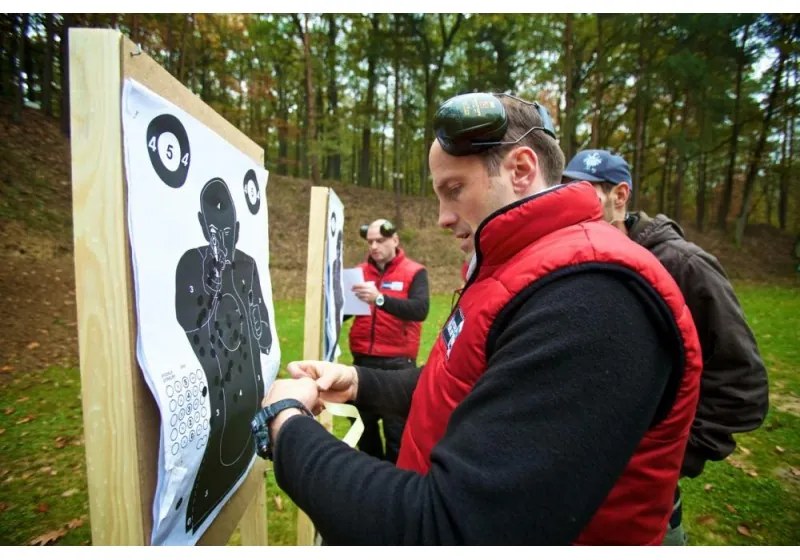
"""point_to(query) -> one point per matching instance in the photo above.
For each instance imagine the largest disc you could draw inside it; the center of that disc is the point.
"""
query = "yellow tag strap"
(347, 411)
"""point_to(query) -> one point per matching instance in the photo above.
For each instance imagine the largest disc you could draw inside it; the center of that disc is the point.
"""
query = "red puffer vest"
(381, 333)
(519, 245)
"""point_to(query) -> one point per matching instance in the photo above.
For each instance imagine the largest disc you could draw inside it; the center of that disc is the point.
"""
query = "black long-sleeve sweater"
(415, 306)
(528, 456)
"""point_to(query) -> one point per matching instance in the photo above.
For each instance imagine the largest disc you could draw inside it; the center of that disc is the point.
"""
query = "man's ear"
(523, 165)
(622, 193)
(203, 227)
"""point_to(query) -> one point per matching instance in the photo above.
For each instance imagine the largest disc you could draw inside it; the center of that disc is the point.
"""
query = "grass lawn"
(751, 498)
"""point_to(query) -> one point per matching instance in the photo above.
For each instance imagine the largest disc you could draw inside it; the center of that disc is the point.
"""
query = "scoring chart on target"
(189, 415)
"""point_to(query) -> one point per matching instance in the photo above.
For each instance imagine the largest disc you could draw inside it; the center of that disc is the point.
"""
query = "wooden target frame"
(120, 416)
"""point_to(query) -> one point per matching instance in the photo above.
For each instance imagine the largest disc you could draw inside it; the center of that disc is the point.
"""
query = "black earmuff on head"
(387, 229)
(472, 123)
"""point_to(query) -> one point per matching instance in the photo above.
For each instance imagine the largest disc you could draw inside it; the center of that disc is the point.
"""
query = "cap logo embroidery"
(591, 161)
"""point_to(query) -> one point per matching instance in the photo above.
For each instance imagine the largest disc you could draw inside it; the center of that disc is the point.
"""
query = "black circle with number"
(252, 194)
(159, 126)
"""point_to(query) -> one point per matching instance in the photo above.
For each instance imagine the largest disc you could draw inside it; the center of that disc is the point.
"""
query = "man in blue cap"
(734, 391)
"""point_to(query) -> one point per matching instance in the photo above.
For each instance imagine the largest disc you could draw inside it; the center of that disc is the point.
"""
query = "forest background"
(703, 106)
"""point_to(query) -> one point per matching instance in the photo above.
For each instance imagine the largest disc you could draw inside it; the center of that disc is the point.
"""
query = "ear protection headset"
(475, 122)
(387, 229)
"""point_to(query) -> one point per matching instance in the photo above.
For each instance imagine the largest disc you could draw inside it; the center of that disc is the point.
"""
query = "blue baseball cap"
(598, 166)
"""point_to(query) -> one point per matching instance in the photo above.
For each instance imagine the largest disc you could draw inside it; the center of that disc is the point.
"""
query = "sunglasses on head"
(475, 122)
(387, 229)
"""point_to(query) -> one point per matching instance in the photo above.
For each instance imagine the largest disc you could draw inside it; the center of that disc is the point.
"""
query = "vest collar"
(511, 228)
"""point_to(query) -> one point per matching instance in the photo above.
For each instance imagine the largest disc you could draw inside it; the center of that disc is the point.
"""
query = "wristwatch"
(259, 425)
(379, 300)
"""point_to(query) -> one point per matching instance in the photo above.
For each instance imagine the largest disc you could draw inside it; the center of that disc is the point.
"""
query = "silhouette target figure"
(219, 304)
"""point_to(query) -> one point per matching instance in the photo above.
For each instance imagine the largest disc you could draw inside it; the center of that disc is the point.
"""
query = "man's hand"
(304, 390)
(212, 272)
(366, 291)
(335, 382)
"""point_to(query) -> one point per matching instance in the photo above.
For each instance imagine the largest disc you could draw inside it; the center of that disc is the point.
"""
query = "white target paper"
(206, 339)
(333, 292)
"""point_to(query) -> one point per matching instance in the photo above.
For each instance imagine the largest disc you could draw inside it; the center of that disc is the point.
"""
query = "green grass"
(754, 497)
(43, 479)
(43, 474)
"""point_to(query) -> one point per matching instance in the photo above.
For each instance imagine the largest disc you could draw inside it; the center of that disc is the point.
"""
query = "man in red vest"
(735, 393)
(396, 289)
(555, 405)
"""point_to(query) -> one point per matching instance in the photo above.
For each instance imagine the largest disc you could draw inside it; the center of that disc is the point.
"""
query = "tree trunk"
(19, 90)
(334, 163)
(47, 75)
(205, 89)
(28, 65)
(64, 66)
(282, 122)
(639, 128)
(135, 28)
(432, 72)
(666, 172)
(727, 191)
(186, 31)
(169, 59)
(680, 170)
(568, 140)
(397, 184)
(311, 114)
(8, 36)
(677, 186)
(300, 146)
(755, 160)
(702, 187)
(6, 56)
(354, 156)
(787, 149)
(597, 120)
(369, 107)
(766, 194)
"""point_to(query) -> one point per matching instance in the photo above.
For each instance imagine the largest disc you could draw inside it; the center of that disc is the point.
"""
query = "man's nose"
(446, 217)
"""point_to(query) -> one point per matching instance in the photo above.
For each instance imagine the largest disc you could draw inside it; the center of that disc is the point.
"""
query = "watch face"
(379, 300)
(259, 425)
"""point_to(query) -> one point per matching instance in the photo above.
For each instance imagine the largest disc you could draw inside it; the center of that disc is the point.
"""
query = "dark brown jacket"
(734, 392)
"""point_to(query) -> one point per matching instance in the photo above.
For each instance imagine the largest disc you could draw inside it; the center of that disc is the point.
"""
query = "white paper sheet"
(332, 291)
(353, 305)
(206, 339)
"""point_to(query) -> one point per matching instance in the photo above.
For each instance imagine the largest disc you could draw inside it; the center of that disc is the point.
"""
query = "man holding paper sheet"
(556, 403)
(396, 290)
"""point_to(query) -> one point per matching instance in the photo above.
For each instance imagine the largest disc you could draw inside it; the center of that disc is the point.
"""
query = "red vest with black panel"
(381, 333)
(517, 246)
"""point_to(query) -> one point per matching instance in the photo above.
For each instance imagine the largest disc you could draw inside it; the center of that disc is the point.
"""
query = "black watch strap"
(259, 425)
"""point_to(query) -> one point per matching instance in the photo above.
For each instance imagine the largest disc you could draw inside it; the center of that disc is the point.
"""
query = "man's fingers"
(324, 383)
(299, 370)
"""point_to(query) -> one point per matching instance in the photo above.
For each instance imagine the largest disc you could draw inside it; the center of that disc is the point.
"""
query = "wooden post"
(120, 416)
(312, 339)
(111, 384)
